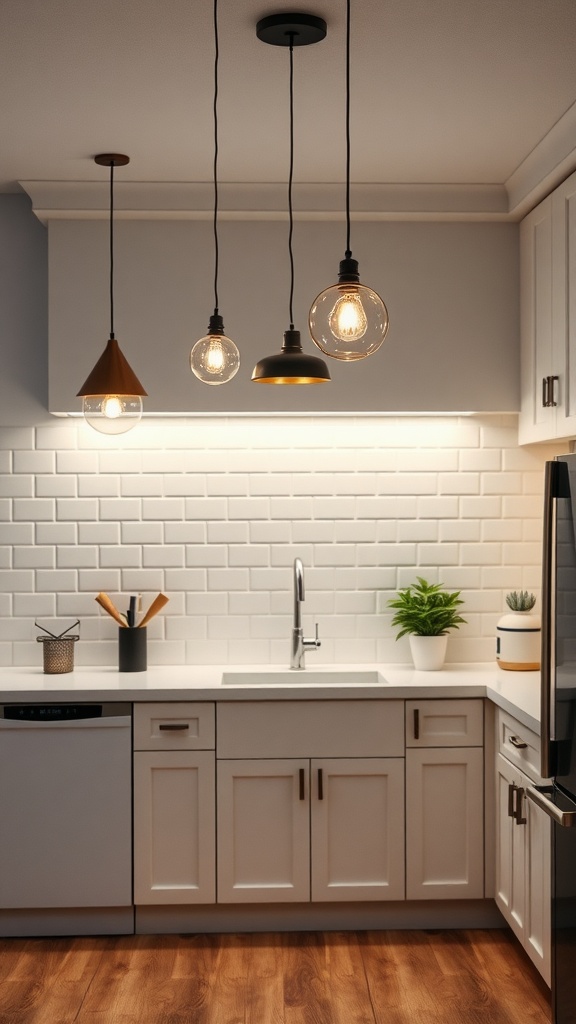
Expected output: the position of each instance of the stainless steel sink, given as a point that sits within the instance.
(307, 677)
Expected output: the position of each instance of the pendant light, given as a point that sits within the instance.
(215, 358)
(348, 320)
(112, 394)
(291, 365)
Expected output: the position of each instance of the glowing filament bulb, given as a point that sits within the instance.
(112, 407)
(348, 321)
(214, 357)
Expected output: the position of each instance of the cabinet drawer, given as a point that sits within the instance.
(311, 728)
(444, 723)
(518, 744)
(174, 726)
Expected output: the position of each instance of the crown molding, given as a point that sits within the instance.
(89, 200)
(552, 160)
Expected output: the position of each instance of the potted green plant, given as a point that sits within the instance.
(518, 634)
(425, 612)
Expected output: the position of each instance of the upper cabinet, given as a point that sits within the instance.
(548, 318)
(451, 289)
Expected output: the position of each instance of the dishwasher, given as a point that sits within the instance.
(65, 818)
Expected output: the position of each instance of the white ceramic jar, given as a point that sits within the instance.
(518, 641)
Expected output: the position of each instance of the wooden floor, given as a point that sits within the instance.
(392, 977)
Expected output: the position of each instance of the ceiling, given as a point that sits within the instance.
(444, 92)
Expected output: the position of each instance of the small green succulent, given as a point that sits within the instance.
(426, 609)
(520, 601)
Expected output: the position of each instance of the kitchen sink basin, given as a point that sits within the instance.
(306, 677)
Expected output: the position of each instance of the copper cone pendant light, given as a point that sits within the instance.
(348, 320)
(112, 394)
(291, 365)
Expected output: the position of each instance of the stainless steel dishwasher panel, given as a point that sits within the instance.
(65, 807)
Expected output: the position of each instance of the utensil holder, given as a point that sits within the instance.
(132, 649)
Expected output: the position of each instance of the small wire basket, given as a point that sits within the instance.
(58, 651)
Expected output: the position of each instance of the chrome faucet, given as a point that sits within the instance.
(299, 644)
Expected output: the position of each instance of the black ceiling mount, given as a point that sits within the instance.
(111, 159)
(295, 29)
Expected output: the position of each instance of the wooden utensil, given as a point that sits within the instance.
(108, 605)
(154, 608)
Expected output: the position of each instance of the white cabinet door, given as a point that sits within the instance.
(174, 827)
(444, 823)
(537, 420)
(263, 831)
(357, 812)
(564, 303)
(523, 849)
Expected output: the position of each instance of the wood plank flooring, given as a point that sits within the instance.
(387, 977)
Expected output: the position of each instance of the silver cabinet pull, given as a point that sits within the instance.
(320, 784)
(416, 724)
(548, 391)
(519, 744)
(301, 784)
(173, 727)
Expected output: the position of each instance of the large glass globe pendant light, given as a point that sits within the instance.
(112, 394)
(291, 365)
(215, 359)
(348, 320)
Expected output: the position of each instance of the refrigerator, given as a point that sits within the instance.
(558, 722)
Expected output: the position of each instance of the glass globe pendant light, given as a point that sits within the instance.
(215, 359)
(291, 365)
(348, 320)
(112, 394)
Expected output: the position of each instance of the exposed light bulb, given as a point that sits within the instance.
(215, 359)
(348, 321)
(112, 414)
(112, 406)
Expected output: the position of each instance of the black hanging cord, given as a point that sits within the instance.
(215, 224)
(348, 250)
(112, 249)
(290, 176)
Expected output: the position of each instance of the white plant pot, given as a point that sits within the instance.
(518, 641)
(428, 652)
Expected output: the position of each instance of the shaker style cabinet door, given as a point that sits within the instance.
(263, 831)
(174, 827)
(445, 823)
(357, 810)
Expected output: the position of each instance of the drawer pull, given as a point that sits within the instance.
(416, 724)
(301, 780)
(174, 726)
(320, 784)
(519, 744)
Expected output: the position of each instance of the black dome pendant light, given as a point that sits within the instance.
(112, 394)
(348, 320)
(291, 365)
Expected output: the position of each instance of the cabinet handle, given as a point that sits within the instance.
(548, 391)
(301, 783)
(511, 793)
(173, 727)
(416, 724)
(519, 744)
(518, 816)
(320, 784)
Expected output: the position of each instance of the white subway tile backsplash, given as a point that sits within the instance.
(214, 511)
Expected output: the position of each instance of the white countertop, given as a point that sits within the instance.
(516, 692)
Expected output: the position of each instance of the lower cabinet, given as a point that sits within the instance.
(444, 799)
(322, 829)
(174, 804)
(523, 843)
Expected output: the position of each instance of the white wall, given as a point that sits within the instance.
(213, 512)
